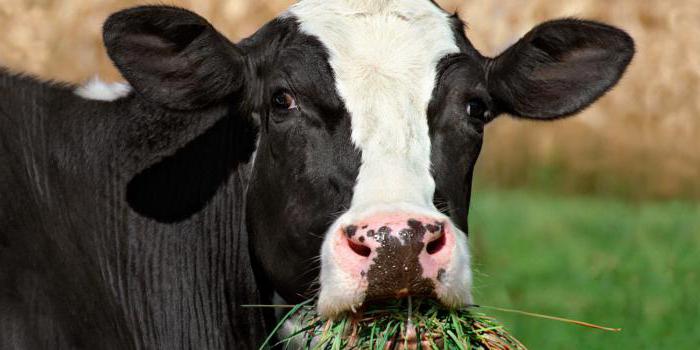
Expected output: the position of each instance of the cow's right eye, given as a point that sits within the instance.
(476, 108)
(284, 100)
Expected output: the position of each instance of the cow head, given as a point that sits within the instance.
(371, 117)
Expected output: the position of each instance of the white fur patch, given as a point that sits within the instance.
(96, 89)
(384, 54)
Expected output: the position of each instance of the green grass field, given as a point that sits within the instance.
(621, 264)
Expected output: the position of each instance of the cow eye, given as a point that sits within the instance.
(284, 100)
(476, 108)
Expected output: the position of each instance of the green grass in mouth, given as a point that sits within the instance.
(384, 325)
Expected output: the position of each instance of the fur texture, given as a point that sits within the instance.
(96, 89)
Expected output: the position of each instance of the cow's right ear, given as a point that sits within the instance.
(173, 57)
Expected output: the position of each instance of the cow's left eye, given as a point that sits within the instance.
(284, 100)
(476, 108)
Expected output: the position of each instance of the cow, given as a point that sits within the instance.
(329, 155)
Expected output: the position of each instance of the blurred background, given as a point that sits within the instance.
(594, 217)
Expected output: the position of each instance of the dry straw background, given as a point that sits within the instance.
(640, 141)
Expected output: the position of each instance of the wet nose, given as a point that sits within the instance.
(398, 254)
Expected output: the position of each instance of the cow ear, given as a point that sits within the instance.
(558, 68)
(173, 57)
(183, 183)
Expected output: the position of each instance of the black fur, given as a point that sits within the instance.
(173, 57)
(559, 68)
(143, 222)
(305, 166)
(79, 269)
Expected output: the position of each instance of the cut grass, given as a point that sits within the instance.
(385, 326)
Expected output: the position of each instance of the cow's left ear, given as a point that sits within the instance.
(172, 56)
(558, 68)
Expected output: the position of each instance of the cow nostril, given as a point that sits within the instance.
(360, 249)
(436, 245)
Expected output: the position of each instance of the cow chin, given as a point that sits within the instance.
(345, 286)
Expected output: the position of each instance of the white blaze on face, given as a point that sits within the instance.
(384, 55)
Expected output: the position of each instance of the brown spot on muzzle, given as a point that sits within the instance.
(396, 271)
(432, 228)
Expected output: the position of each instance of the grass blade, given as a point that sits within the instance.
(554, 318)
(281, 322)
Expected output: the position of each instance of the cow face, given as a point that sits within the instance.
(370, 116)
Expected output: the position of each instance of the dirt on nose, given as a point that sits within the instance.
(396, 272)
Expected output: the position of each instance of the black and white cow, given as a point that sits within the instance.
(144, 215)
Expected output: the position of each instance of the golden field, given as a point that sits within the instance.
(641, 141)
